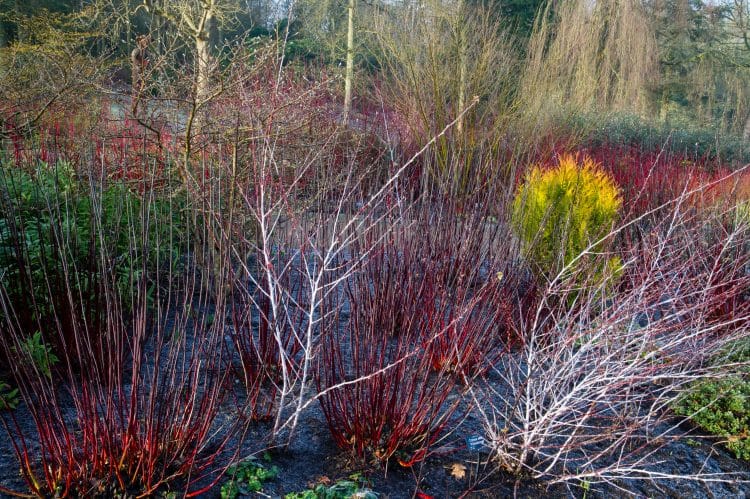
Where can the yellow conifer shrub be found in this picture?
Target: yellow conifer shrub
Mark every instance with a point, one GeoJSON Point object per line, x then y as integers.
{"type": "Point", "coordinates": [558, 212]}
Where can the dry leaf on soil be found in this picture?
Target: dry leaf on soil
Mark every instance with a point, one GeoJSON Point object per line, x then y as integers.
{"type": "Point", "coordinates": [458, 471]}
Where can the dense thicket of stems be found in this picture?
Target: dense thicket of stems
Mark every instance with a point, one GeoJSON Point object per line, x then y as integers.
{"type": "Point", "coordinates": [588, 394]}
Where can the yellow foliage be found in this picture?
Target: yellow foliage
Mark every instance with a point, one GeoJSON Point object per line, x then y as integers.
{"type": "Point", "coordinates": [742, 215]}
{"type": "Point", "coordinates": [560, 211]}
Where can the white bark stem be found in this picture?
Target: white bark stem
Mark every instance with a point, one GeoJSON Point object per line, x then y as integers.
{"type": "Point", "coordinates": [203, 40]}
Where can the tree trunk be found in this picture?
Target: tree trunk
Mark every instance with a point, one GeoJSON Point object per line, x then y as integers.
{"type": "Point", "coordinates": [202, 77]}
{"type": "Point", "coordinates": [204, 39]}
{"type": "Point", "coordinates": [462, 49]}
{"type": "Point", "coordinates": [461, 83]}
{"type": "Point", "coordinates": [349, 65]}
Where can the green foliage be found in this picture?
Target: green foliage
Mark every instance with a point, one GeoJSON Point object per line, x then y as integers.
{"type": "Point", "coordinates": [559, 212]}
{"type": "Point", "coordinates": [304, 49]}
{"type": "Point", "coordinates": [519, 13]}
{"type": "Point", "coordinates": [742, 214]}
{"type": "Point", "coordinates": [356, 487]}
{"type": "Point", "coordinates": [647, 135]}
{"type": "Point", "coordinates": [36, 216]}
{"type": "Point", "coordinates": [8, 397]}
{"type": "Point", "coordinates": [703, 65]}
{"type": "Point", "coordinates": [247, 477]}
{"type": "Point", "coordinates": [54, 230]}
{"type": "Point", "coordinates": [39, 354]}
{"type": "Point", "coordinates": [722, 408]}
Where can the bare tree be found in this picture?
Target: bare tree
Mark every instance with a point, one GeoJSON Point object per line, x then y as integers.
{"type": "Point", "coordinates": [198, 21]}
{"type": "Point", "coordinates": [138, 63]}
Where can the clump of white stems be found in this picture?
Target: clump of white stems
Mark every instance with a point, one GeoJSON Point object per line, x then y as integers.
{"type": "Point", "coordinates": [587, 397]}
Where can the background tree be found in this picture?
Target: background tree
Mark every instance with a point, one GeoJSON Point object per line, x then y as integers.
{"type": "Point", "coordinates": [13, 13]}
{"type": "Point", "coordinates": [337, 31]}
{"type": "Point", "coordinates": [197, 21]}
{"type": "Point", "coordinates": [598, 56]}
{"type": "Point", "coordinates": [738, 17]}
{"type": "Point", "coordinates": [49, 64]}
{"type": "Point", "coordinates": [703, 64]}
{"type": "Point", "coordinates": [349, 77]}
{"type": "Point", "coordinates": [441, 55]}
{"type": "Point", "coordinates": [515, 15]}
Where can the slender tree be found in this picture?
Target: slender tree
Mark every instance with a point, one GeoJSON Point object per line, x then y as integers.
{"type": "Point", "coordinates": [349, 62]}
{"type": "Point", "coordinates": [198, 21]}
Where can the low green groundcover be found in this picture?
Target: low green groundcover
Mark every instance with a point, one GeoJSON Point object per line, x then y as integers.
{"type": "Point", "coordinates": [722, 408]}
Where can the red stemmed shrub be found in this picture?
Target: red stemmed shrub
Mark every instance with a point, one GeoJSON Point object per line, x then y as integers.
{"type": "Point", "coordinates": [263, 341]}
{"type": "Point", "coordinates": [135, 426]}
{"type": "Point", "coordinates": [379, 393]}
{"type": "Point", "coordinates": [65, 236]}
{"type": "Point", "coordinates": [432, 307]}
{"type": "Point", "coordinates": [649, 179]}
{"type": "Point", "coordinates": [132, 407]}
{"type": "Point", "coordinates": [47, 252]}
{"type": "Point", "coordinates": [257, 351]}
{"type": "Point", "coordinates": [450, 268]}
{"type": "Point", "coordinates": [726, 263]}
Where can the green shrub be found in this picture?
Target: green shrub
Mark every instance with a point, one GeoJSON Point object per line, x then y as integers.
{"type": "Point", "coordinates": [304, 49]}
{"type": "Point", "coordinates": [62, 237]}
{"type": "Point", "coordinates": [8, 397]}
{"type": "Point", "coordinates": [558, 212]}
{"type": "Point", "coordinates": [742, 215]}
{"type": "Point", "coordinates": [34, 350]}
{"type": "Point", "coordinates": [49, 218]}
{"type": "Point", "coordinates": [687, 139]}
{"type": "Point", "coordinates": [722, 408]}
{"type": "Point", "coordinates": [247, 477]}
{"type": "Point", "coordinates": [354, 488]}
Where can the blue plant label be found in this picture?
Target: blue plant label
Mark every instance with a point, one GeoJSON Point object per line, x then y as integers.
{"type": "Point", "coordinates": [475, 442]}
